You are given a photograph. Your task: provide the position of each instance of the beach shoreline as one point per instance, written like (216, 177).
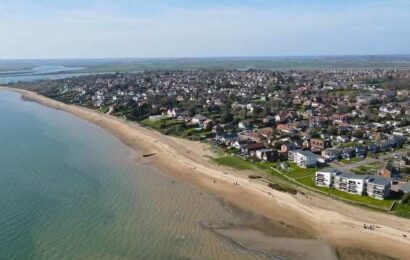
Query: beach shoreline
(338, 223)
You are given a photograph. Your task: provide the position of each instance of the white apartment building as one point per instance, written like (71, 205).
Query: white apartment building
(378, 188)
(303, 159)
(326, 177)
(351, 183)
(372, 186)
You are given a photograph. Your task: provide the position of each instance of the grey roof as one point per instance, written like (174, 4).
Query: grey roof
(306, 153)
(405, 188)
(381, 181)
(349, 175)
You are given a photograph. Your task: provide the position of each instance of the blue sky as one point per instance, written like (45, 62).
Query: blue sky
(201, 28)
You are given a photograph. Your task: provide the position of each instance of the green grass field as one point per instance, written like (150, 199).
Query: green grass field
(295, 171)
(402, 210)
(161, 124)
(351, 160)
(235, 162)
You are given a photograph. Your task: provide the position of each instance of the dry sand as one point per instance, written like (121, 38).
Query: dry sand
(340, 224)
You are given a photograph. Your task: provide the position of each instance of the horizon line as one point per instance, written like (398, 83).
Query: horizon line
(212, 57)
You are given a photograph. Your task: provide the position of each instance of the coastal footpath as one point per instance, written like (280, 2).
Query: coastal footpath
(340, 224)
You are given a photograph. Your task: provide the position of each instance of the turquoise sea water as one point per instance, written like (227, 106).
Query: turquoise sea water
(69, 190)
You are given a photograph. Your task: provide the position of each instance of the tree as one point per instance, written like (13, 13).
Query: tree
(331, 130)
(226, 118)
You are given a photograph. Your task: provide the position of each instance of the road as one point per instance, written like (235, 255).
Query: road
(366, 161)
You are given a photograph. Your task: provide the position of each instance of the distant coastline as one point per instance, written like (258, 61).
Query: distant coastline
(336, 222)
(284, 63)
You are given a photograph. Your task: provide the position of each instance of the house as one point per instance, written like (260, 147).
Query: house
(405, 159)
(287, 128)
(331, 154)
(389, 170)
(217, 128)
(266, 131)
(304, 159)
(342, 139)
(351, 183)
(174, 112)
(325, 177)
(372, 148)
(285, 116)
(360, 151)
(199, 119)
(378, 188)
(185, 116)
(208, 124)
(346, 152)
(345, 118)
(240, 144)
(250, 149)
(245, 125)
(268, 155)
(268, 120)
(286, 147)
(318, 145)
(226, 138)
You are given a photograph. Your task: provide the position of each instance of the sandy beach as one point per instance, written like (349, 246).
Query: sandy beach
(340, 224)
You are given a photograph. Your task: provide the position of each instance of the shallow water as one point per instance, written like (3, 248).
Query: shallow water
(70, 190)
(45, 72)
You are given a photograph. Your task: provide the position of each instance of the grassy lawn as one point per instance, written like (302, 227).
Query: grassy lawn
(370, 168)
(295, 171)
(235, 162)
(351, 160)
(161, 124)
(104, 109)
(190, 131)
(402, 210)
(241, 164)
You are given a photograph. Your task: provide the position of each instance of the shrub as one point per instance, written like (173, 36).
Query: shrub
(406, 198)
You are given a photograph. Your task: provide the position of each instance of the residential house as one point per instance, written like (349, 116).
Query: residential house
(174, 112)
(360, 151)
(342, 139)
(346, 152)
(286, 147)
(331, 154)
(405, 159)
(268, 155)
(268, 120)
(389, 170)
(226, 138)
(250, 149)
(245, 125)
(199, 119)
(318, 145)
(241, 143)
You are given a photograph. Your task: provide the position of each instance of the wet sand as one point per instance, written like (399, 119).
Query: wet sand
(337, 223)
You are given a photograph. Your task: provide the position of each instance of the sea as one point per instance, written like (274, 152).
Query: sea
(70, 190)
(42, 72)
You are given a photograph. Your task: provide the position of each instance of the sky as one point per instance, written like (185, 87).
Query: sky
(47, 29)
